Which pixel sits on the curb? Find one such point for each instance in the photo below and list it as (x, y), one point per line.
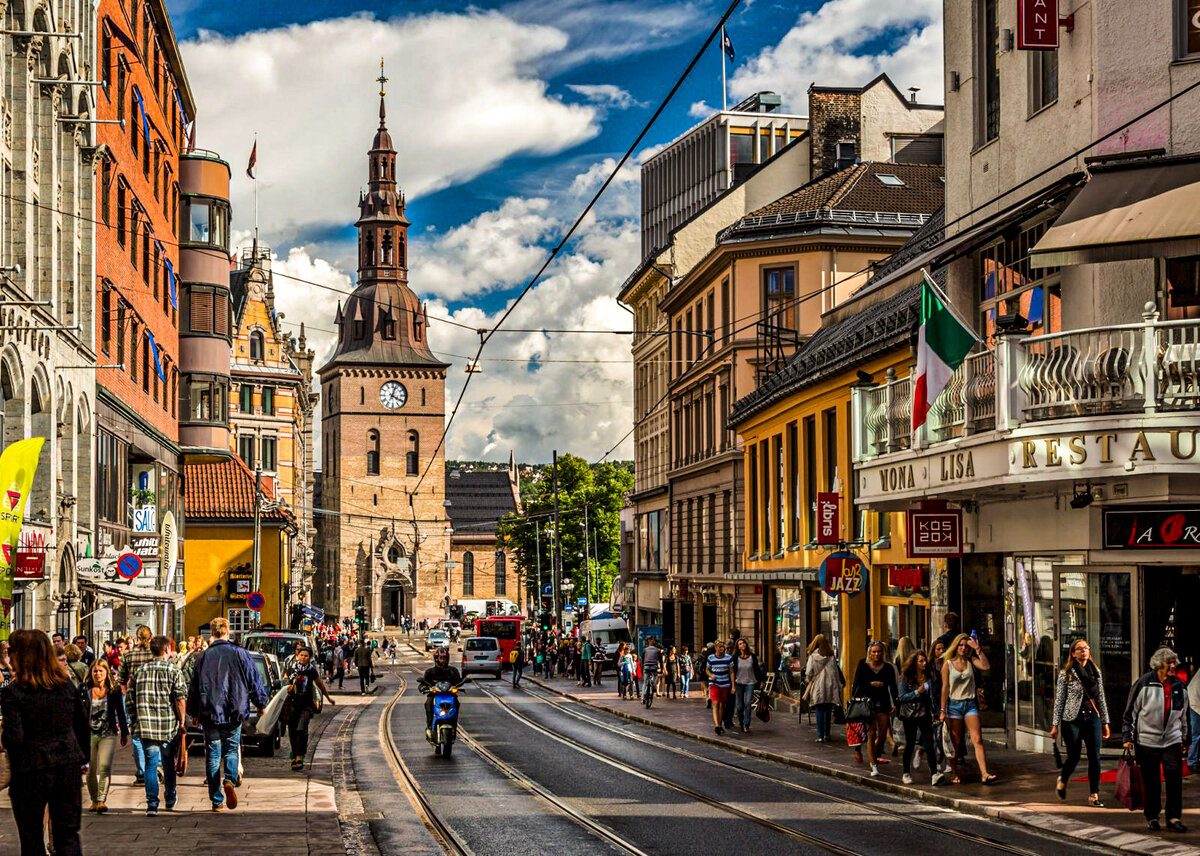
(1130, 842)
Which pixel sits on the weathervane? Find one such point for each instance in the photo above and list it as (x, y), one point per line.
(382, 78)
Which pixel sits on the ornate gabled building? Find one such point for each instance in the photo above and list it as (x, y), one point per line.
(383, 466)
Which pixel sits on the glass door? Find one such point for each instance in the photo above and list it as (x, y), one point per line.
(1098, 604)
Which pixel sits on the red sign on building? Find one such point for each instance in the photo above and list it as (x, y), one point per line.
(29, 565)
(906, 576)
(1037, 25)
(829, 530)
(934, 533)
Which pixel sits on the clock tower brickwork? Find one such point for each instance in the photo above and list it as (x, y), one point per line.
(383, 468)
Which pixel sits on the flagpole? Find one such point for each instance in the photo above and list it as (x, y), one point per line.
(724, 87)
(256, 196)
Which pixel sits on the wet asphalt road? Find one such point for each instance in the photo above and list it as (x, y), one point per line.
(493, 814)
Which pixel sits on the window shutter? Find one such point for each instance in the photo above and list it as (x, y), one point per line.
(220, 314)
(923, 149)
(202, 311)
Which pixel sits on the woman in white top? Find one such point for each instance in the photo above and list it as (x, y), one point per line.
(959, 704)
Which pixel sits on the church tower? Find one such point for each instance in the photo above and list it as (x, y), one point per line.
(383, 468)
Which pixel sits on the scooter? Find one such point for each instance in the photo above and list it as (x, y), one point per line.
(444, 729)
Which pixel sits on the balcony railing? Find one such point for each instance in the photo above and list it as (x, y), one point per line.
(1127, 368)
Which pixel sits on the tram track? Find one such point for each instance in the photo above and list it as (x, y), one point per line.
(971, 837)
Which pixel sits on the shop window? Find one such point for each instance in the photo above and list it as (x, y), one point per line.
(468, 574)
(241, 620)
(1183, 287)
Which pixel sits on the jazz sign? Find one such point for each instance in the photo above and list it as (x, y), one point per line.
(843, 573)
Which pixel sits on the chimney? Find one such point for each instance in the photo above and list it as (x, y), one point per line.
(912, 96)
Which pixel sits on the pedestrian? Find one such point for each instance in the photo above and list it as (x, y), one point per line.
(156, 703)
(75, 665)
(950, 625)
(917, 707)
(88, 654)
(702, 671)
(875, 680)
(748, 676)
(670, 672)
(824, 684)
(1081, 709)
(108, 726)
(624, 670)
(364, 664)
(224, 684)
(686, 667)
(45, 730)
(303, 703)
(339, 663)
(585, 663)
(1194, 717)
(1155, 728)
(719, 684)
(960, 704)
(5, 665)
(131, 660)
(518, 666)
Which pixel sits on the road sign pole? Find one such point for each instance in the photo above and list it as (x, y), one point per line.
(256, 570)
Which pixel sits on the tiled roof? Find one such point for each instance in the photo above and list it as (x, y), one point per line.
(225, 491)
(922, 240)
(478, 500)
(834, 349)
(858, 188)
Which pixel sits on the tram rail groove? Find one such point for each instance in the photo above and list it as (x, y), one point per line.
(594, 827)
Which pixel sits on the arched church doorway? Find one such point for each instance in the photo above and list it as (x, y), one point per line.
(394, 604)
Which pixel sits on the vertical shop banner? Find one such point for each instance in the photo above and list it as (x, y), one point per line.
(829, 530)
(18, 464)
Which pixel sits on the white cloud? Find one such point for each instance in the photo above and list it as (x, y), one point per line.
(829, 47)
(461, 100)
(701, 110)
(606, 95)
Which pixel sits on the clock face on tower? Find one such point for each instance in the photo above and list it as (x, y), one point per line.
(392, 395)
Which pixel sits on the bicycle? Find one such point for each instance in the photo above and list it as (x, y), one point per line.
(650, 679)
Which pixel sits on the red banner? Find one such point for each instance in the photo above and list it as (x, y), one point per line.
(829, 530)
(30, 565)
(1037, 25)
(934, 533)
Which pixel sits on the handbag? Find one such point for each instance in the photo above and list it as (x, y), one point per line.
(181, 756)
(1130, 789)
(858, 710)
(856, 733)
(839, 715)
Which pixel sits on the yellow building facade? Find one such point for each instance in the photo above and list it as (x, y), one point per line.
(219, 550)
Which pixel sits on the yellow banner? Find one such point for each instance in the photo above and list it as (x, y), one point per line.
(18, 463)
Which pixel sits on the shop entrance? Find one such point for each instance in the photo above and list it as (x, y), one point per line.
(708, 623)
(1169, 610)
(687, 624)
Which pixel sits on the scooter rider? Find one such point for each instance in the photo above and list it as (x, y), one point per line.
(440, 671)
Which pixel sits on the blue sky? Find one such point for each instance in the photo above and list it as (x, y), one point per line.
(506, 117)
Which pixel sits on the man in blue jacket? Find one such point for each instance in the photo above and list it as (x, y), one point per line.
(223, 685)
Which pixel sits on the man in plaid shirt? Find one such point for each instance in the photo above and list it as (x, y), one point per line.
(156, 701)
(131, 661)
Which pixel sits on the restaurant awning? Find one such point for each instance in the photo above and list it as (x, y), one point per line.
(131, 593)
(1137, 210)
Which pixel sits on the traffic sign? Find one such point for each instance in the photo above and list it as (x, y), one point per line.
(548, 589)
(582, 601)
(255, 600)
(129, 565)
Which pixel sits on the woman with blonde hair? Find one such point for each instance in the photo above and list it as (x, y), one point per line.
(959, 700)
(823, 684)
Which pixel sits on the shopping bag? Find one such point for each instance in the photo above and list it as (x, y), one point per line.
(856, 733)
(181, 756)
(1130, 791)
(762, 705)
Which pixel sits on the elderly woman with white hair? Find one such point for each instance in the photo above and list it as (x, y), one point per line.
(1155, 728)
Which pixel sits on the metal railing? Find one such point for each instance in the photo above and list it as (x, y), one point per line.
(827, 215)
(1125, 368)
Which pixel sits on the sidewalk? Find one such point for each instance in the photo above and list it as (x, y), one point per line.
(279, 812)
(1024, 794)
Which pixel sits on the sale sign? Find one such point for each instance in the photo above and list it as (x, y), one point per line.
(1037, 25)
(934, 533)
(843, 573)
(828, 529)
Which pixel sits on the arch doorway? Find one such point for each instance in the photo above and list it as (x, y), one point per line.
(394, 603)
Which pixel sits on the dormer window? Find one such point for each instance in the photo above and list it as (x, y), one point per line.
(257, 348)
(388, 327)
(418, 327)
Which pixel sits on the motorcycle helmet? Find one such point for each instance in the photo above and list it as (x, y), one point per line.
(441, 657)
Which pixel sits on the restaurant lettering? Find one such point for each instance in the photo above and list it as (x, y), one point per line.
(957, 466)
(1076, 450)
(899, 477)
(1151, 528)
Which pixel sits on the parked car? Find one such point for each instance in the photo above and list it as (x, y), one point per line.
(482, 654)
(281, 643)
(437, 639)
(272, 676)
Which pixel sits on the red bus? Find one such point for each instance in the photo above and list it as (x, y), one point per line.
(505, 628)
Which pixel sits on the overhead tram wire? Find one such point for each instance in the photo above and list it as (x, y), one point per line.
(484, 338)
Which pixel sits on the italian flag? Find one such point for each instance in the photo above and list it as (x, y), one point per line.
(942, 345)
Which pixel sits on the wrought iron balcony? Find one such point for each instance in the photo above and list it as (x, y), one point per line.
(1143, 368)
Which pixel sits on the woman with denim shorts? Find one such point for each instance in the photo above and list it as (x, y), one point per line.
(959, 704)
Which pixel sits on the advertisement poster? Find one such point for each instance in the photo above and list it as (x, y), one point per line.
(18, 464)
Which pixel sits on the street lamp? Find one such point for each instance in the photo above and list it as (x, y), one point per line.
(566, 588)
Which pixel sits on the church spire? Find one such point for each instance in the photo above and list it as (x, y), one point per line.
(382, 92)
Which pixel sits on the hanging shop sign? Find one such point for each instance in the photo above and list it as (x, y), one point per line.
(1151, 528)
(829, 530)
(240, 583)
(30, 564)
(911, 577)
(843, 573)
(1037, 25)
(934, 533)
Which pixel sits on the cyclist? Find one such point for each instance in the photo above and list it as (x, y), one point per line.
(440, 671)
(651, 662)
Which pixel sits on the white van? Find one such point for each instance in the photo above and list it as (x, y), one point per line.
(606, 635)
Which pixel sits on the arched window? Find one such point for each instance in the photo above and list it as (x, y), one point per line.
(468, 574)
(413, 456)
(372, 453)
(257, 348)
(400, 251)
(386, 245)
(501, 574)
(369, 254)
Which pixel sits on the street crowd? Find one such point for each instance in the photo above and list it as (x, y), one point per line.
(66, 709)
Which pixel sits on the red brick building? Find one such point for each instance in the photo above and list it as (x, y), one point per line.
(145, 95)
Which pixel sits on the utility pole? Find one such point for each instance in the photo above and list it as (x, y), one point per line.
(537, 540)
(596, 544)
(556, 548)
(587, 561)
(256, 570)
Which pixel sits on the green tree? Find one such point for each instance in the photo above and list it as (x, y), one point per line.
(600, 489)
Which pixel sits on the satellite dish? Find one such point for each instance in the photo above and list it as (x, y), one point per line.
(170, 545)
